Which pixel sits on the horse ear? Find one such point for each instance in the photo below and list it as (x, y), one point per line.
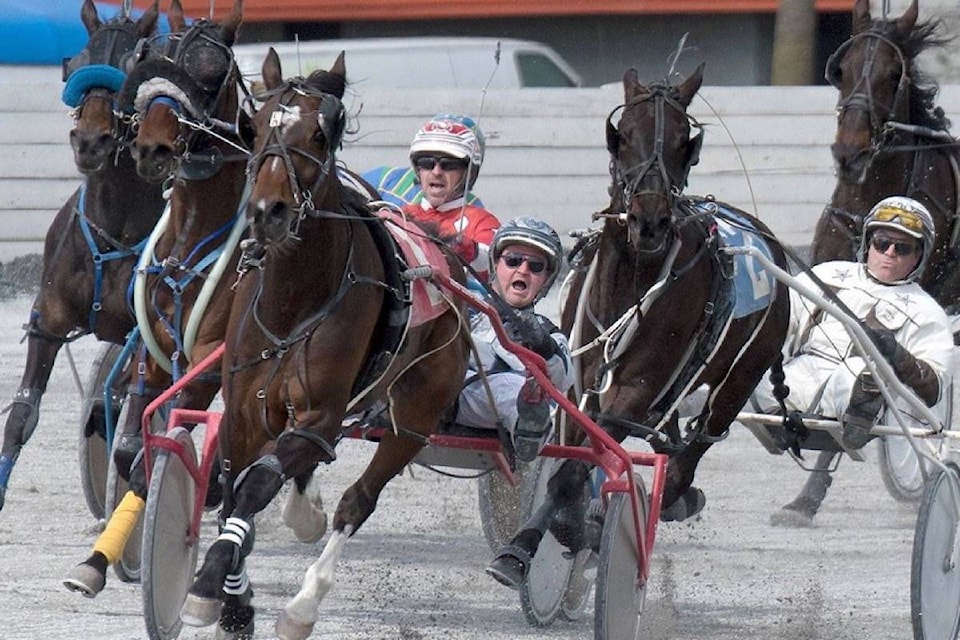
(232, 24)
(88, 14)
(907, 21)
(339, 67)
(271, 72)
(613, 138)
(147, 23)
(861, 16)
(175, 17)
(631, 83)
(689, 87)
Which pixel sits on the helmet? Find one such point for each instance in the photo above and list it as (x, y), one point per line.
(453, 135)
(905, 215)
(534, 233)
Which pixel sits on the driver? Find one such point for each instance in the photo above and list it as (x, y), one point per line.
(826, 373)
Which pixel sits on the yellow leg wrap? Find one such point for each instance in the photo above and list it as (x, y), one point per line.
(124, 518)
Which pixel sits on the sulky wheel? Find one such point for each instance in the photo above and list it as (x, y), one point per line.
(934, 572)
(127, 568)
(900, 469)
(92, 445)
(502, 508)
(169, 553)
(620, 593)
(542, 593)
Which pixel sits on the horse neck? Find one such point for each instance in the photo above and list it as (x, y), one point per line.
(624, 274)
(120, 202)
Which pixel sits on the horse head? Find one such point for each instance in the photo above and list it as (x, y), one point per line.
(651, 152)
(184, 86)
(92, 79)
(872, 71)
(298, 131)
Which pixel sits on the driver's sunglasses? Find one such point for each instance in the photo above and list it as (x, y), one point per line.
(907, 219)
(514, 260)
(427, 163)
(902, 249)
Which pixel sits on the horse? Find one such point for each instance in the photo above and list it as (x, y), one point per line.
(322, 325)
(93, 243)
(891, 139)
(661, 311)
(184, 90)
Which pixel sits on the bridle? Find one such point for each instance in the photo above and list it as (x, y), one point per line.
(330, 116)
(652, 176)
(861, 97)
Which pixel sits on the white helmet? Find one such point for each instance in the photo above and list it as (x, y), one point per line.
(906, 215)
(533, 233)
(453, 135)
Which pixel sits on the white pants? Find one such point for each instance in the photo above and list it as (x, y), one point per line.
(475, 409)
(806, 376)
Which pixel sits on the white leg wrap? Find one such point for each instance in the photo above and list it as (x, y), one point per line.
(319, 579)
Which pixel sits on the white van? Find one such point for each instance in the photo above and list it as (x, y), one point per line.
(416, 63)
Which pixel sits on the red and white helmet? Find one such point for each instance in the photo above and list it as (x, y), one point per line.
(452, 135)
(906, 215)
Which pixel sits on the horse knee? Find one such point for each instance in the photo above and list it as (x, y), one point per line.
(23, 419)
(257, 485)
(566, 485)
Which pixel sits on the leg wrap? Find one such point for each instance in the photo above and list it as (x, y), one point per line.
(122, 522)
(24, 415)
(267, 479)
(235, 532)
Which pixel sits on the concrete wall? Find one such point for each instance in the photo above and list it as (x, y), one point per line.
(766, 149)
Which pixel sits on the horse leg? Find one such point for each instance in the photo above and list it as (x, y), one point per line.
(800, 511)
(359, 501)
(25, 409)
(563, 512)
(303, 513)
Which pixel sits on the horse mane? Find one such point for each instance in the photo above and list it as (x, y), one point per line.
(923, 88)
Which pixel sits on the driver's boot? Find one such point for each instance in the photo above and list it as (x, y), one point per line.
(862, 411)
(533, 421)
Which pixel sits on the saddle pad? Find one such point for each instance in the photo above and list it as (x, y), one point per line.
(753, 285)
(427, 301)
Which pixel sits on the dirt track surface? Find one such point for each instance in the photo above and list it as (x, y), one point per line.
(415, 570)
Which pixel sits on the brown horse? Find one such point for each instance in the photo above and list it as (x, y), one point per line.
(891, 140)
(312, 335)
(184, 89)
(93, 243)
(660, 311)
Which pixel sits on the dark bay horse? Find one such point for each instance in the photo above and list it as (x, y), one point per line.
(660, 311)
(322, 324)
(92, 245)
(184, 89)
(891, 139)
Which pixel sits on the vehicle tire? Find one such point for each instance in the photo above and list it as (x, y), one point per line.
(169, 553)
(92, 445)
(620, 593)
(934, 570)
(542, 593)
(502, 507)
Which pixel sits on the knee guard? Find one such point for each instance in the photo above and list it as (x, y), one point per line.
(23, 419)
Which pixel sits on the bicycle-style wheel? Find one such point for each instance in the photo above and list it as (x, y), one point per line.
(900, 469)
(542, 593)
(169, 554)
(92, 444)
(620, 592)
(502, 506)
(935, 570)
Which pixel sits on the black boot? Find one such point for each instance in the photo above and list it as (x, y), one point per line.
(861, 414)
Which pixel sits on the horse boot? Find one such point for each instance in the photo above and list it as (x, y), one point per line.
(801, 510)
(862, 411)
(686, 506)
(21, 423)
(512, 562)
(569, 524)
(237, 614)
(533, 421)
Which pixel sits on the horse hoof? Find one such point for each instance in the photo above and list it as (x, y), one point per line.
(791, 518)
(200, 612)
(246, 633)
(510, 566)
(86, 580)
(289, 629)
(688, 505)
(312, 531)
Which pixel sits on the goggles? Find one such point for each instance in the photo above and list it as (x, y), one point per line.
(907, 219)
(901, 248)
(427, 163)
(514, 260)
